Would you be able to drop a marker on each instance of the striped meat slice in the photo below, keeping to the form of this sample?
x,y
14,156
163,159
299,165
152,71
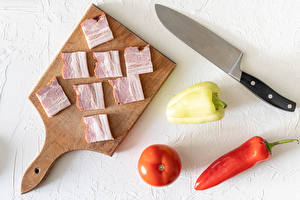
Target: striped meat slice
x,y
96,31
97,128
108,64
75,65
127,89
53,98
138,61
89,96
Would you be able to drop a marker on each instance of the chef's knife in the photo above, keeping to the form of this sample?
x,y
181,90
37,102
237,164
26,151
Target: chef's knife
x,y
219,52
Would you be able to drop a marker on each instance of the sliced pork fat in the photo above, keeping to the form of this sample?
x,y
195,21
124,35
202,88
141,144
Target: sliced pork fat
x,y
127,89
96,31
97,128
108,64
89,96
138,61
75,65
53,98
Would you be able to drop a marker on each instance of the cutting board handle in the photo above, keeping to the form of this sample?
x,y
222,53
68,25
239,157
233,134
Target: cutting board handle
x,y
40,167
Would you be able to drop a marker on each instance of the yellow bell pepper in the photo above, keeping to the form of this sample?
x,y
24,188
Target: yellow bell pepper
x,y
199,103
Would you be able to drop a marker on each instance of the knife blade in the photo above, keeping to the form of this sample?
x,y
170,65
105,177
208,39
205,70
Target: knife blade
x,y
218,51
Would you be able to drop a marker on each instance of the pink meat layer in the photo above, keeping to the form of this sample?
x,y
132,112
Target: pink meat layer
x,y
75,65
96,31
138,62
108,64
97,128
53,98
127,89
89,96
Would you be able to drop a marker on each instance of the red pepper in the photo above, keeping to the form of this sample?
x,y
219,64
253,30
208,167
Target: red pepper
x,y
253,151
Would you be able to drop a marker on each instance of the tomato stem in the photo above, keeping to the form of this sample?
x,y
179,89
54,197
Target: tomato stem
x,y
271,145
161,167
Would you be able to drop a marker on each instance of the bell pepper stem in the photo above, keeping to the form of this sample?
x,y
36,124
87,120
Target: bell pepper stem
x,y
218,102
271,145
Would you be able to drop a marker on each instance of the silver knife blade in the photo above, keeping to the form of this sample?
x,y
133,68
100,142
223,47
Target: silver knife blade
x,y
208,44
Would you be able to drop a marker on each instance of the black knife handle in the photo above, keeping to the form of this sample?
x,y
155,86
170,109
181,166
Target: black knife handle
x,y
266,93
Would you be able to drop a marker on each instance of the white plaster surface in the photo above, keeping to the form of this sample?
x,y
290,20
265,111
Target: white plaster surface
x,y
32,32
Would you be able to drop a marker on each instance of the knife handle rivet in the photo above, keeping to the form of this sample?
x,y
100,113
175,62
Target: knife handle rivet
x,y
252,83
289,106
270,96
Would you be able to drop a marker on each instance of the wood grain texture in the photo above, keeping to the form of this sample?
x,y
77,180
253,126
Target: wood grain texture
x,y
65,131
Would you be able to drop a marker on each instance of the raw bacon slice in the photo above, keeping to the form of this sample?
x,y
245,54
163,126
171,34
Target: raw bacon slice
x,y
108,64
97,128
75,65
127,89
138,62
53,98
96,31
89,96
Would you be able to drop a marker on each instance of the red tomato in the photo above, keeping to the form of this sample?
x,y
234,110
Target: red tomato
x,y
159,165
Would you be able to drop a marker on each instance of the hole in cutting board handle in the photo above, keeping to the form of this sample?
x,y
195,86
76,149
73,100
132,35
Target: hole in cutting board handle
x,y
37,170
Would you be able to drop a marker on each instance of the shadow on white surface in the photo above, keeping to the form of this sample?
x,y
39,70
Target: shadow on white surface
x,y
202,156
197,155
3,155
234,100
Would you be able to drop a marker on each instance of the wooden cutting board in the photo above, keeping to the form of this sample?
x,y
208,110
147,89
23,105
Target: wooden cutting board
x,y
65,131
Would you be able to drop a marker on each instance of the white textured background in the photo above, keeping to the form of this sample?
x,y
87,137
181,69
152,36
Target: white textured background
x,y
32,32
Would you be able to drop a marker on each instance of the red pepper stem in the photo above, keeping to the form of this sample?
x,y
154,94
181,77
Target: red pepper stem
x,y
271,145
218,102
